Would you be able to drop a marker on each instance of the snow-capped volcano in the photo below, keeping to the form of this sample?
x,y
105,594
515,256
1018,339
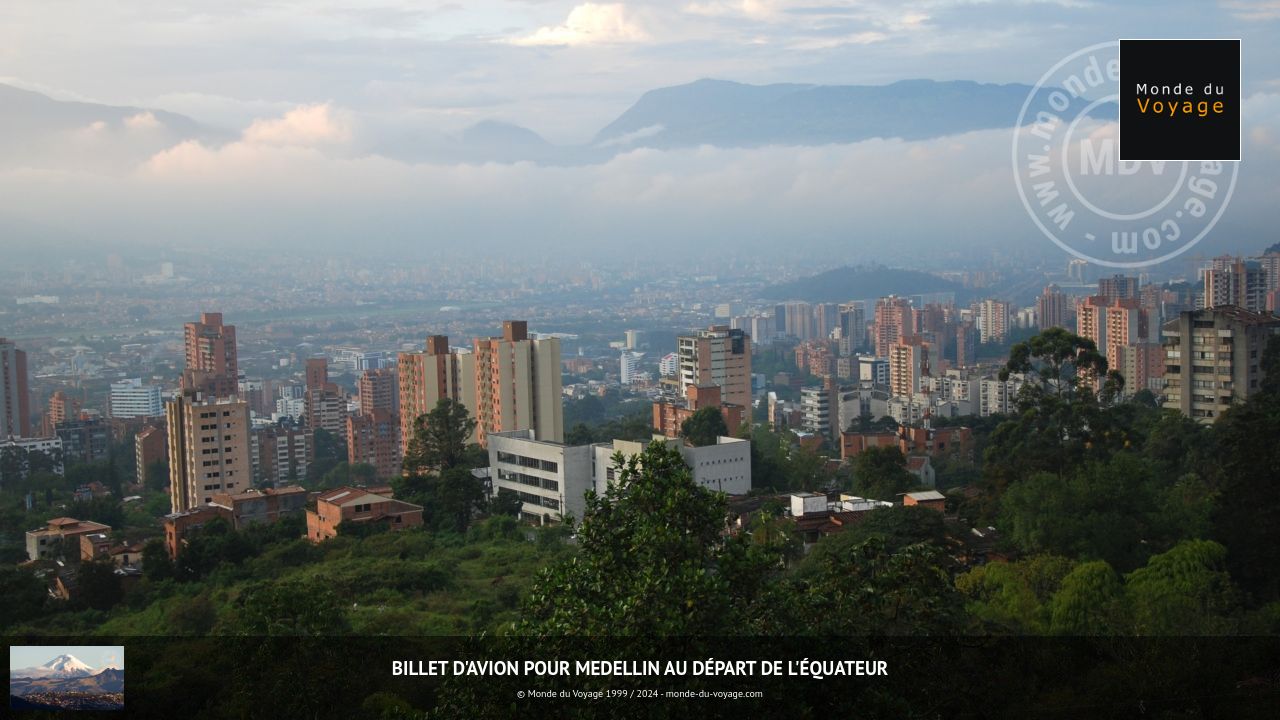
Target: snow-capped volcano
x,y
63,666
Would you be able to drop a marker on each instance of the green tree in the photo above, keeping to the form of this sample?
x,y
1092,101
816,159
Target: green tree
x,y
346,474
880,473
1185,591
1104,510
289,608
158,476
867,590
505,502
579,434
1246,514
1012,597
195,615
22,595
99,586
439,438
1060,423
652,559
1087,601
156,563
897,527
704,426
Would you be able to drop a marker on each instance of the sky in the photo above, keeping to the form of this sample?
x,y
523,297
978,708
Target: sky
x,y
561,68
95,656
307,91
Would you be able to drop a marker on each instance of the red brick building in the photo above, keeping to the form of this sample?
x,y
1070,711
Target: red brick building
x,y
669,415
357,505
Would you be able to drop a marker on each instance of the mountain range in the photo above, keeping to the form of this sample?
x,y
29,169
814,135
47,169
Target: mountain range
x,y
35,128
62,666
854,283
107,680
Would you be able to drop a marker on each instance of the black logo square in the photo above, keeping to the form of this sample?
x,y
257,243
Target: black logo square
x,y
1180,99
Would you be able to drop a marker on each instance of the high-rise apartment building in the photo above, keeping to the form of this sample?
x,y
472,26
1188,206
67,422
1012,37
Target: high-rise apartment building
x,y
325,407
379,390
795,319
873,370
1126,324
259,395
908,363
373,438
893,321
131,399
669,365
84,440
1120,330
1270,264
994,325
61,408
15,397
149,447
1052,309
317,373
212,365
1118,287
510,382
280,455
1213,358
518,384
717,356
629,367
427,376
825,320
1139,363
209,448
1242,283
853,325
1091,320
966,344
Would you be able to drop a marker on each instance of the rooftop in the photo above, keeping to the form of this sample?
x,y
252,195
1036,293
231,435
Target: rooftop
x,y
926,495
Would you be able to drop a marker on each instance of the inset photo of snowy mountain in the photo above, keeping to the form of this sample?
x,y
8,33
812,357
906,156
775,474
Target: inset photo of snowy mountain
x,y
65,677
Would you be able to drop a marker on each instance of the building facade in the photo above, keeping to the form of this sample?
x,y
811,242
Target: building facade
x,y
209,448
15,396
1213,359
281,454
212,361
373,438
717,356
131,399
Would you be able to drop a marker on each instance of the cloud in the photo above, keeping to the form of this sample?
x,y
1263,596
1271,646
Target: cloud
x,y
589,24
909,202
145,120
824,43
628,138
1254,10
308,125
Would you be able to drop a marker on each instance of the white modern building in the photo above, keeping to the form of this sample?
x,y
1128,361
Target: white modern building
x,y
551,478
630,367
131,398
873,369
724,467
50,446
669,365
